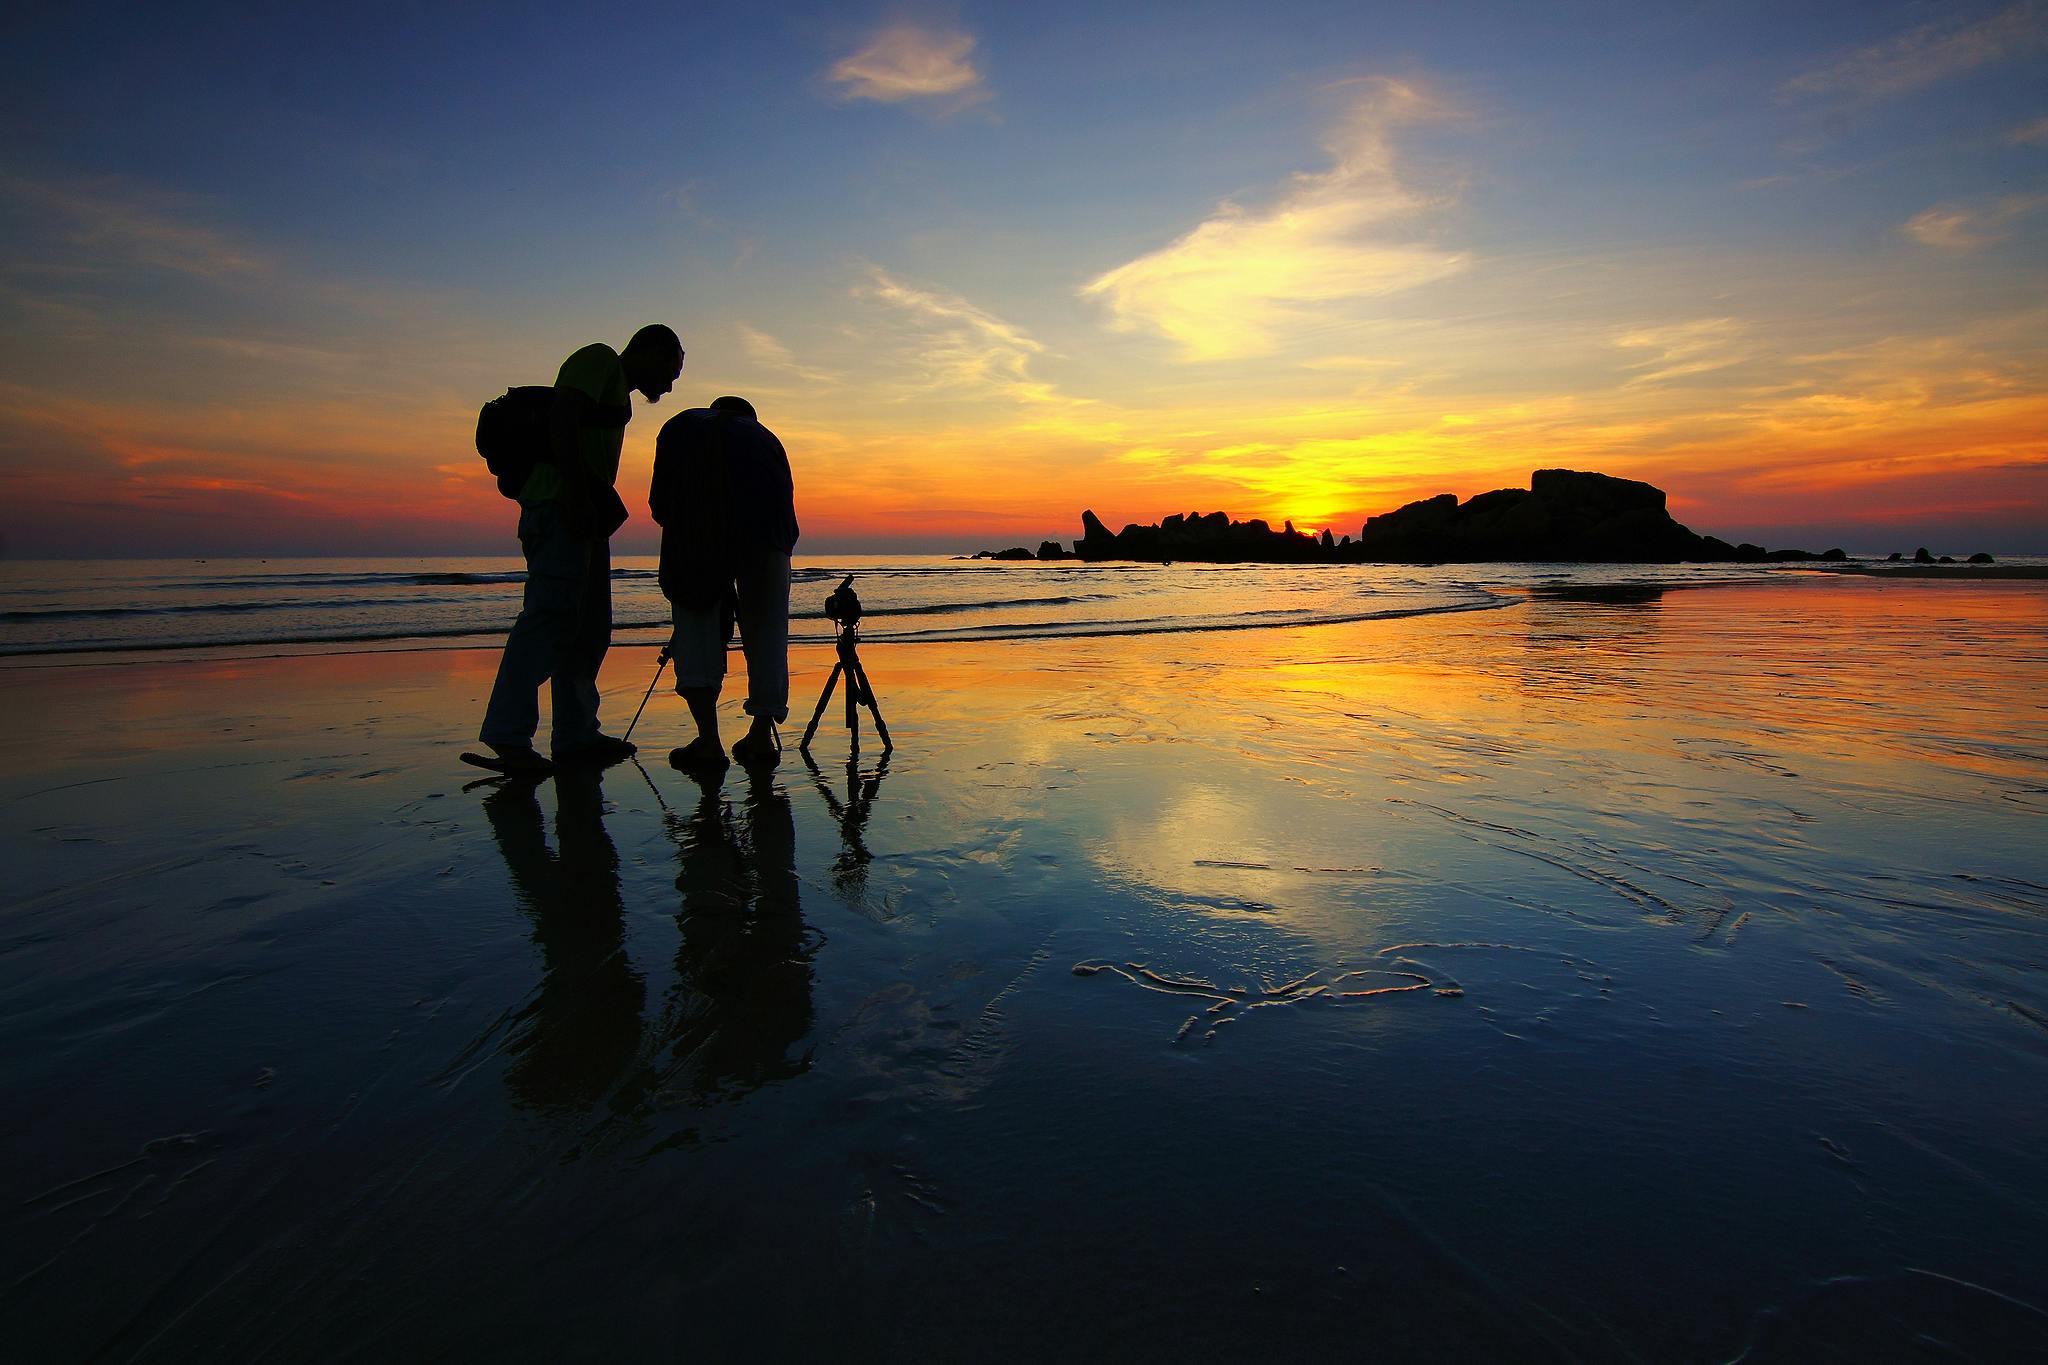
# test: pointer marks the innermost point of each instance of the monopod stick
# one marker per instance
(659, 664)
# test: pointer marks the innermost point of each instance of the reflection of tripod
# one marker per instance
(858, 693)
(850, 868)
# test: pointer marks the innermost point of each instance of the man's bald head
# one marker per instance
(652, 360)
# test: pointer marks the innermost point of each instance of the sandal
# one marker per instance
(518, 760)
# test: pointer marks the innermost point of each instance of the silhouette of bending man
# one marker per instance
(727, 507)
(568, 510)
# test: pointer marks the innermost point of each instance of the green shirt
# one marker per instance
(594, 372)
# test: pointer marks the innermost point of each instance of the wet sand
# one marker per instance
(1952, 572)
(1649, 977)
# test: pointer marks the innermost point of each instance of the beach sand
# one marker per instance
(1657, 976)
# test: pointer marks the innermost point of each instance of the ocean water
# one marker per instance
(94, 606)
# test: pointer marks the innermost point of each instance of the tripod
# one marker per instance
(858, 693)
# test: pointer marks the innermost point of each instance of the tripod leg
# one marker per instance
(867, 693)
(816, 715)
(852, 707)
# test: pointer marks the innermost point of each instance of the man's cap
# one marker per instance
(729, 403)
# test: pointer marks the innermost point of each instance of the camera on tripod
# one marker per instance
(843, 606)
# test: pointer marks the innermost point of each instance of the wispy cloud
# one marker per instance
(120, 227)
(1685, 348)
(2033, 134)
(1951, 229)
(763, 349)
(1956, 227)
(1923, 56)
(905, 62)
(770, 354)
(959, 349)
(1233, 285)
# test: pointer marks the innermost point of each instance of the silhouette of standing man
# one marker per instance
(568, 510)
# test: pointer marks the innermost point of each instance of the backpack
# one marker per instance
(512, 434)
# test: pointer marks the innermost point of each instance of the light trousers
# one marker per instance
(698, 645)
(561, 636)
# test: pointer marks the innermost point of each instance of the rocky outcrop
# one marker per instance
(1096, 542)
(1211, 539)
(1047, 550)
(1564, 515)
(1925, 556)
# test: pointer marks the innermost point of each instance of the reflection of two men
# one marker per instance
(741, 1001)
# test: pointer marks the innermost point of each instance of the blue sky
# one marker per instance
(1107, 254)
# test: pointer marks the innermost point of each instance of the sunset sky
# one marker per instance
(983, 266)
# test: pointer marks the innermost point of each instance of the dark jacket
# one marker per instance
(722, 489)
